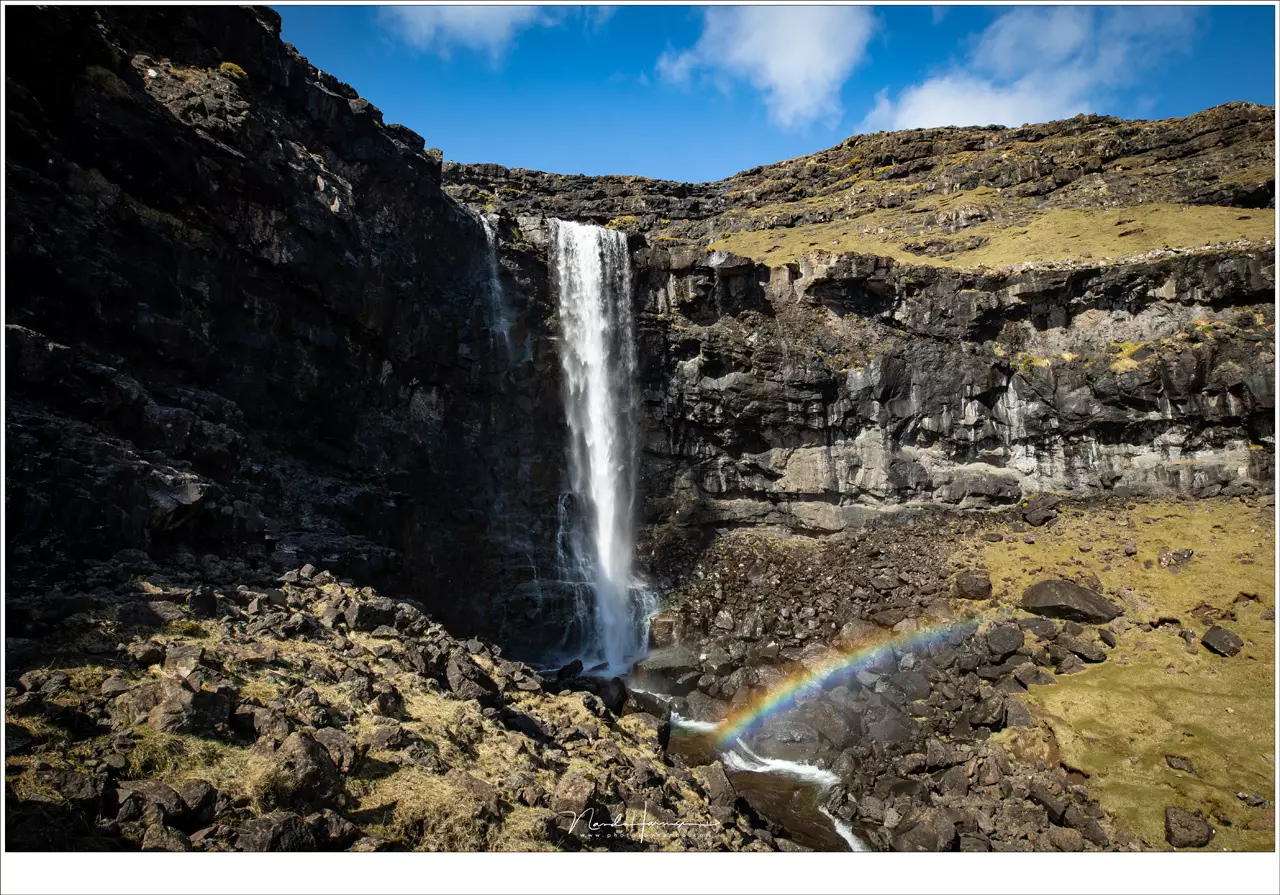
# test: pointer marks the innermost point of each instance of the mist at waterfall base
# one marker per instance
(592, 279)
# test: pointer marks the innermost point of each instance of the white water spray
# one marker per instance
(593, 278)
(499, 311)
(742, 758)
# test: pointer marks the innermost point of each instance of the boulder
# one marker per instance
(715, 782)
(159, 837)
(1182, 829)
(1003, 640)
(704, 708)
(280, 831)
(1090, 652)
(973, 585)
(182, 710)
(929, 831)
(1040, 509)
(340, 746)
(1066, 599)
(368, 616)
(1222, 641)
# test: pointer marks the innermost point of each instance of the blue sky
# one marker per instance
(699, 93)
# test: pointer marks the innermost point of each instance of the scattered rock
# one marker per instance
(280, 831)
(1040, 509)
(973, 585)
(1066, 599)
(1222, 641)
(1182, 829)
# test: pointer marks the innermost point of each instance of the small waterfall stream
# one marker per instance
(592, 275)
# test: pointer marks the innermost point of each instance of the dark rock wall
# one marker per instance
(245, 321)
(813, 395)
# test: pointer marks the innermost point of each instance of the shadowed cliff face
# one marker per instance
(245, 324)
(248, 328)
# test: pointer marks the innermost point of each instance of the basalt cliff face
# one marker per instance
(956, 317)
(243, 322)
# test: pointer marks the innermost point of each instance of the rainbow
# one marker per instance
(784, 695)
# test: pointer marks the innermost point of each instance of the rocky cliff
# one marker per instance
(956, 317)
(245, 327)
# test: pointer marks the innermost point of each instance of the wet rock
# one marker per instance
(662, 630)
(572, 670)
(1066, 599)
(704, 708)
(280, 831)
(973, 585)
(788, 845)
(1222, 641)
(1182, 829)
(715, 782)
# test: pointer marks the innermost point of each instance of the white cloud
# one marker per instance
(488, 29)
(1039, 64)
(798, 57)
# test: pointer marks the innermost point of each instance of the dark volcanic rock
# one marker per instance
(1222, 641)
(1066, 599)
(1040, 509)
(282, 831)
(1182, 829)
(973, 585)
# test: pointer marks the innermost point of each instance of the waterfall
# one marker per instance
(592, 274)
(499, 310)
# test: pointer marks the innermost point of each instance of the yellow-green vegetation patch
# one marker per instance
(231, 70)
(173, 758)
(1053, 234)
(425, 809)
(1157, 695)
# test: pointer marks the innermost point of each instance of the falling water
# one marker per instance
(499, 311)
(593, 278)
